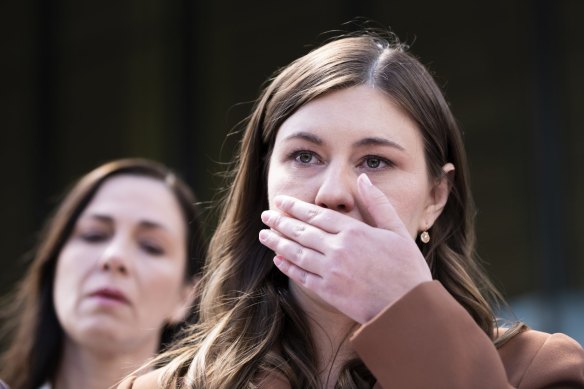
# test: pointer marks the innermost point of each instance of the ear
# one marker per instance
(183, 306)
(438, 196)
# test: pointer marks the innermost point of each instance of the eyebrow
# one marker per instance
(305, 136)
(143, 223)
(376, 141)
(369, 141)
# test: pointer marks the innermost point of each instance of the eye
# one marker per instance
(305, 157)
(152, 248)
(373, 162)
(376, 162)
(94, 236)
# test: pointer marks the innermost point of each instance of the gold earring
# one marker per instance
(425, 236)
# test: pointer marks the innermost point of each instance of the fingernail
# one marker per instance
(265, 216)
(263, 235)
(278, 260)
(366, 179)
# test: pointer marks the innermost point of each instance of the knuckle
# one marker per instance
(286, 204)
(337, 250)
(276, 220)
(299, 229)
(267, 237)
(357, 232)
(328, 216)
(297, 274)
(299, 255)
(303, 276)
(312, 213)
(336, 273)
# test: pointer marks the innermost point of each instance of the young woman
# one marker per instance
(111, 281)
(365, 275)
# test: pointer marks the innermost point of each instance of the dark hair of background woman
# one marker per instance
(30, 326)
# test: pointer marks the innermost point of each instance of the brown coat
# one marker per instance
(427, 340)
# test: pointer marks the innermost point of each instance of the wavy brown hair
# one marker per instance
(31, 328)
(249, 325)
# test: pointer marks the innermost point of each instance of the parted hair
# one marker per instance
(249, 325)
(30, 327)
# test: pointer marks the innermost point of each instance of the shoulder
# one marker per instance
(538, 357)
(147, 381)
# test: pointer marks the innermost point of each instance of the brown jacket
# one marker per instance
(427, 340)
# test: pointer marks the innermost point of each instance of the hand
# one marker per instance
(357, 268)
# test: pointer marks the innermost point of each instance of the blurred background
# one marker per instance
(83, 82)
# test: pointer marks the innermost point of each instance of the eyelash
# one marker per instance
(152, 249)
(94, 237)
(99, 237)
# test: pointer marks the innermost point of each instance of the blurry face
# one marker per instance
(322, 148)
(120, 276)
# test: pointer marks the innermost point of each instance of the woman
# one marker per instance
(353, 160)
(111, 281)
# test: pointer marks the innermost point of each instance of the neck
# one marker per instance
(82, 367)
(330, 331)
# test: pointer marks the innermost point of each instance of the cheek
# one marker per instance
(283, 183)
(161, 287)
(69, 272)
(409, 203)
(300, 190)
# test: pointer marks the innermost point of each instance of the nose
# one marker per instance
(115, 257)
(337, 190)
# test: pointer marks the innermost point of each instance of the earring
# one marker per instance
(425, 236)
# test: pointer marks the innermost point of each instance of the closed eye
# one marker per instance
(152, 248)
(94, 236)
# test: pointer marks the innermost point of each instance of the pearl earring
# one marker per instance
(425, 236)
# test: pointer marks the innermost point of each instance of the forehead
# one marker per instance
(355, 112)
(137, 198)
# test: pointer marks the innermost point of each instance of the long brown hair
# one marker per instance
(31, 327)
(249, 325)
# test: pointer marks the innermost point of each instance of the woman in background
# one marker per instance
(366, 275)
(111, 282)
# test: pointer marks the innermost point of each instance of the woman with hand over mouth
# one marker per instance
(344, 255)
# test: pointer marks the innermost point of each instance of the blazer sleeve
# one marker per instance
(428, 340)
(536, 359)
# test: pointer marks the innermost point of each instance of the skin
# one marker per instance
(119, 280)
(349, 190)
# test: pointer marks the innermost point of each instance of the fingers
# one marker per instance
(296, 230)
(295, 273)
(295, 253)
(379, 207)
(323, 218)
(376, 202)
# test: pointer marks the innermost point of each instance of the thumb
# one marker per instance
(379, 207)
